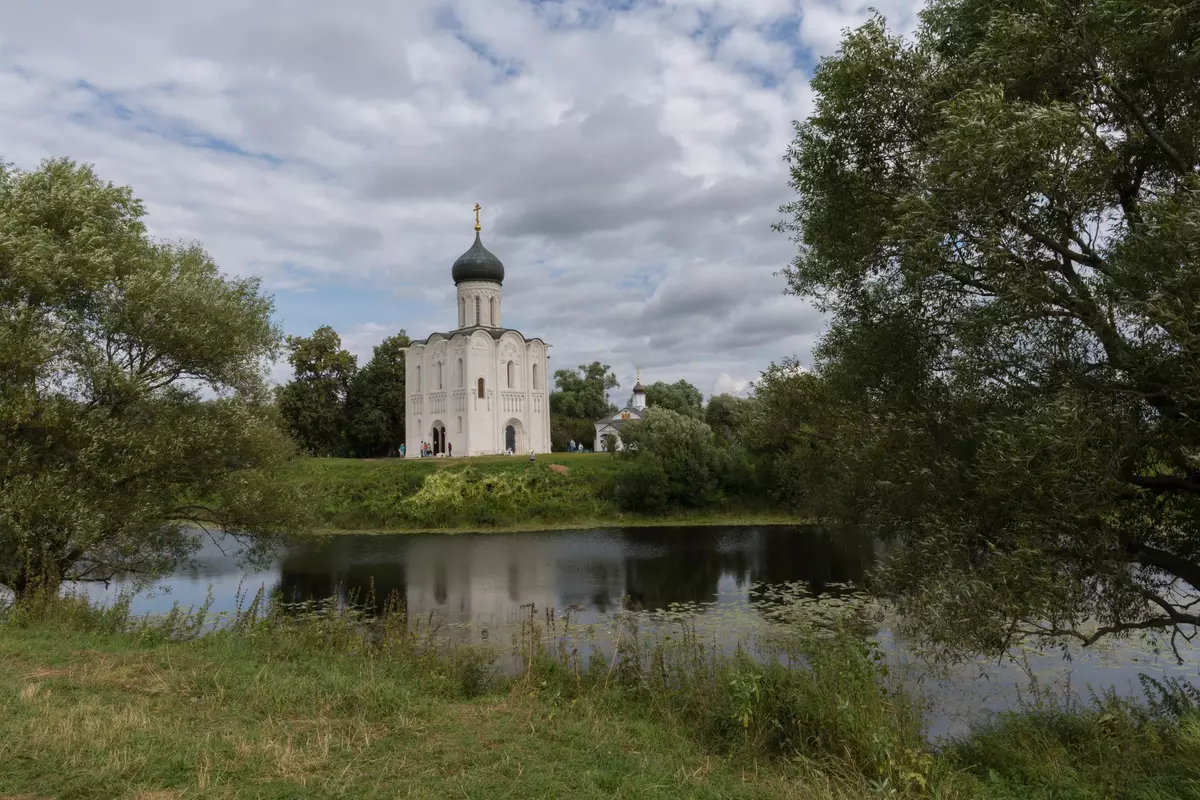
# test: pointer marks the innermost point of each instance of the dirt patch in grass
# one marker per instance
(42, 674)
(127, 672)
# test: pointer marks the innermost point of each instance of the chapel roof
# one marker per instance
(615, 419)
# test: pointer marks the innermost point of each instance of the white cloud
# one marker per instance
(629, 162)
(725, 384)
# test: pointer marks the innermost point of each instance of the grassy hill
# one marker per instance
(558, 490)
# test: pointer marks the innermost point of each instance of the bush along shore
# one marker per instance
(558, 490)
(333, 703)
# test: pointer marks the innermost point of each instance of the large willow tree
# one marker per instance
(132, 396)
(1002, 216)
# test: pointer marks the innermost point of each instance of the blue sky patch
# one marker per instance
(111, 105)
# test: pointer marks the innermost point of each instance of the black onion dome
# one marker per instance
(637, 388)
(478, 264)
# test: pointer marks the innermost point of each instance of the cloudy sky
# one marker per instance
(627, 155)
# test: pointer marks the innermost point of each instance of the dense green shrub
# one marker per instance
(669, 460)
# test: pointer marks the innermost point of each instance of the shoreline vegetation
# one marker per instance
(491, 494)
(331, 702)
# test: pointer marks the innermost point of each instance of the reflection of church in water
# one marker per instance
(484, 580)
(480, 388)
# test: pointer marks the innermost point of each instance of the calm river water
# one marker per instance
(482, 581)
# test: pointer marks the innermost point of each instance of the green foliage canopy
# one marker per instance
(728, 416)
(580, 399)
(786, 436)
(375, 401)
(681, 397)
(1002, 217)
(107, 341)
(671, 459)
(312, 404)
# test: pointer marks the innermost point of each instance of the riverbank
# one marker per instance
(490, 494)
(321, 707)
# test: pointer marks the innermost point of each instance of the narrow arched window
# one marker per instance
(481, 388)
(460, 424)
(492, 320)
(478, 312)
(418, 379)
(511, 374)
(535, 377)
(462, 311)
(439, 375)
(458, 377)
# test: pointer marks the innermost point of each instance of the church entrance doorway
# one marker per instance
(514, 437)
(437, 438)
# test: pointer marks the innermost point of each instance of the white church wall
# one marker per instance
(538, 417)
(512, 359)
(481, 363)
(457, 419)
(477, 425)
(414, 416)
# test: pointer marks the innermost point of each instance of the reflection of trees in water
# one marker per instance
(324, 573)
(603, 575)
(817, 557)
(595, 583)
(687, 577)
(439, 582)
(300, 585)
(680, 565)
(376, 584)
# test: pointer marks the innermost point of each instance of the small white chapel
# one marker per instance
(608, 429)
(480, 388)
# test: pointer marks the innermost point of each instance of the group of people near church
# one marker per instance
(575, 448)
(426, 450)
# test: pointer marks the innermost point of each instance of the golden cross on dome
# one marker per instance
(477, 208)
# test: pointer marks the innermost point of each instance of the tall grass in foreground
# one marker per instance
(821, 720)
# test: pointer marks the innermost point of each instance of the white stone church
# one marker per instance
(480, 388)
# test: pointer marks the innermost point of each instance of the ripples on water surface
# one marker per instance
(734, 583)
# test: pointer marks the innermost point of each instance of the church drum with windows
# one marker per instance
(480, 388)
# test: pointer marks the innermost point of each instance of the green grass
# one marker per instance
(326, 707)
(1108, 748)
(94, 717)
(92, 706)
(486, 493)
